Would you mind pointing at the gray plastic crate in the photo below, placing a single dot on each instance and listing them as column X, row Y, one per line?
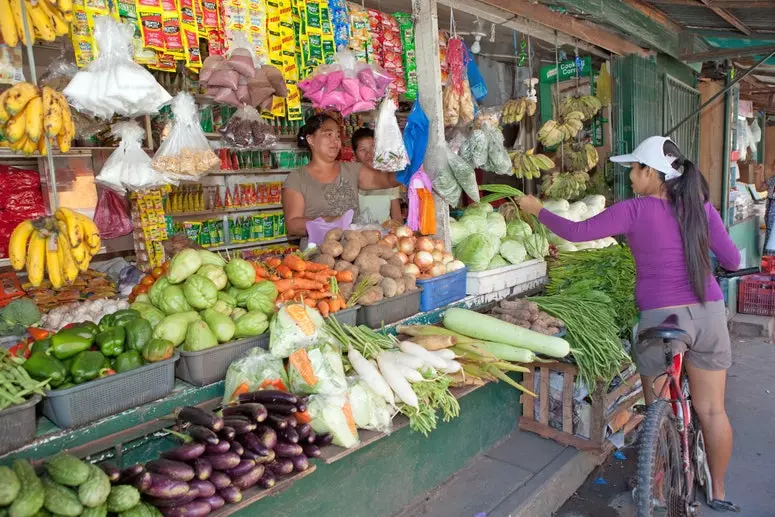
column 90, row 401
column 18, row 425
column 209, row 366
column 390, row 310
column 347, row 316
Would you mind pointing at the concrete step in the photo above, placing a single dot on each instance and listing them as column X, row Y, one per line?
column 750, row 326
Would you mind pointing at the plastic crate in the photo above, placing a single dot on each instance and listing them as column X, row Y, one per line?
column 18, row 425
column 498, row 279
column 209, row 366
column 390, row 310
column 90, row 401
column 442, row 290
column 347, row 316
column 756, row 295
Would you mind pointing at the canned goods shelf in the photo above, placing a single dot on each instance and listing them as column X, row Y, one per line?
column 226, row 211
column 256, row 244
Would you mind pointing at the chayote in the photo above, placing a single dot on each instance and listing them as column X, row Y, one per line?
column 237, row 313
column 183, row 265
column 199, row 337
column 173, row 328
column 148, row 312
column 158, row 287
column 173, row 300
column 261, row 303
column 215, row 274
column 208, row 257
column 251, row 324
column 221, row 325
column 200, row 292
column 241, row 273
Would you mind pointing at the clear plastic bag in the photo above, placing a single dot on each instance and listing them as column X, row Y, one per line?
column 756, row 132
column 258, row 370
column 370, row 411
column 111, row 215
column 185, row 154
column 445, row 183
column 129, row 167
column 474, row 149
column 389, row 150
column 113, row 84
column 333, row 414
column 498, row 159
column 464, row 174
column 246, row 128
column 317, row 369
column 295, row 326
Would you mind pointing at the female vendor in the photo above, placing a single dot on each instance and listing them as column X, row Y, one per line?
column 382, row 205
column 326, row 187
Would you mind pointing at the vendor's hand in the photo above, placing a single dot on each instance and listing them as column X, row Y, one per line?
column 529, row 204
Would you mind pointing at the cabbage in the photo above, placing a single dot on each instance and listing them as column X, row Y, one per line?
column 486, row 207
column 477, row 250
column 458, row 232
column 518, row 230
column 474, row 223
column 558, row 205
column 496, row 225
column 537, row 246
column 476, row 209
column 555, row 239
column 566, row 247
column 513, row 251
column 497, row 261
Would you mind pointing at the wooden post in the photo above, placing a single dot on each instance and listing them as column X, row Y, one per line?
column 426, row 35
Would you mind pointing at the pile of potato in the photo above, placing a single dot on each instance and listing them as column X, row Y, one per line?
column 526, row 314
column 362, row 253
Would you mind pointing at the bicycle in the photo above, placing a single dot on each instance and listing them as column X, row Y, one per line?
column 671, row 459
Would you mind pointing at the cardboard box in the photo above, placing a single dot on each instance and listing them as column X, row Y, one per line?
column 748, row 172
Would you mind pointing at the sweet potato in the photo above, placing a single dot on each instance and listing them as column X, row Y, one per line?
column 334, row 234
column 332, row 248
column 323, row 258
column 391, row 271
column 389, row 287
column 352, row 249
column 372, row 296
column 371, row 236
column 367, row 262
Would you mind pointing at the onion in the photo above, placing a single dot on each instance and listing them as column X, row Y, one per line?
column 424, row 244
column 437, row 255
column 392, row 239
column 455, row 265
column 404, row 231
column 423, row 260
column 411, row 258
column 411, row 269
column 447, row 257
column 438, row 245
column 402, row 257
column 438, row 269
column 385, row 242
column 405, row 245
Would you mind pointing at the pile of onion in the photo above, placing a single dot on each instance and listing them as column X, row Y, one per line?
column 423, row 257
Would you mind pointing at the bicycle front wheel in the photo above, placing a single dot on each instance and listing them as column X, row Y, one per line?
column 660, row 475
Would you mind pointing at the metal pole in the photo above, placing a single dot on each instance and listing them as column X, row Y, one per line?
column 725, row 157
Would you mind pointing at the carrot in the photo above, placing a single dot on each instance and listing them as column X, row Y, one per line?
column 309, row 302
column 300, row 362
column 273, row 262
column 294, row 262
column 342, row 302
column 317, row 277
column 323, row 308
column 314, row 267
column 303, row 417
column 274, row 278
column 333, row 305
column 297, row 283
column 284, row 271
column 242, row 388
column 260, row 271
column 345, row 276
column 318, row 295
column 286, row 295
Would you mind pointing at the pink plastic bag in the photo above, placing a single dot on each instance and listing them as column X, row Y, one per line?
column 111, row 215
column 318, row 228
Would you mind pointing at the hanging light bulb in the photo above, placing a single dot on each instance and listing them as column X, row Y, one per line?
column 476, row 47
column 478, row 33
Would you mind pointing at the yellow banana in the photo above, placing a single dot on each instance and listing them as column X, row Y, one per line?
column 81, row 256
column 19, row 144
column 29, row 147
column 7, row 24
column 18, row 97
column 36, row 258
column 17, row 244
column 56, row 18
column 53, row 263
column 42, row 150
column 4, row 115
column 91, row 234
column 16, row 9
column 74, row 230
column 69, row 266
column 34, row 113
column 16, row 128
column 52, row 112
column 43, row 23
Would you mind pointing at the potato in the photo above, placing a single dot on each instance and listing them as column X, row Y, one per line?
column 346, row 289
column 323, row 258
column 395, row 261
column 371, row 278
column 382, row 262
column 352, row 248
column 410, row 282
column 342, row 265
column 400, row 286
column 372, row 236
column 367, row 262
column 332, row 248
column 389, row 287
column 355, row 235
column 372, row 296
column 391, row 271
column 334, row 234
column 387, row 252
column 384, row 252
column 355, row 269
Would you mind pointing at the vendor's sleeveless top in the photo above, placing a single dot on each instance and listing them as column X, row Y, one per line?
column 327, row 199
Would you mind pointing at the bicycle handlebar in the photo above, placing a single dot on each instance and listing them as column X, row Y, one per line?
column 723, row 273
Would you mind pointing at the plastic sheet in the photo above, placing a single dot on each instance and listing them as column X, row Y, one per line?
column 111, row 216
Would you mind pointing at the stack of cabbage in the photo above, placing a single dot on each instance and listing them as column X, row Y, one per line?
column 203, row 301
column 582, row 210
column 484, row 239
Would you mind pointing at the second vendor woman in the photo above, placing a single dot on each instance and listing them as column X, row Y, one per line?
column 326, row 187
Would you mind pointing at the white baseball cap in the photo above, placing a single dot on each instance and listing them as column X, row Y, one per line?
column 651, row 152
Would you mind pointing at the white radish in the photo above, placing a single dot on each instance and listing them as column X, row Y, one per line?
column 410, row 361
column 397, row 382
column 452, row 367
column 410, row 374
column 370, row 375
column 445, row 353
column 416, row 350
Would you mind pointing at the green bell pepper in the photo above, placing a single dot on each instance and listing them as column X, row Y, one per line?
column 42, row 366
column 87, row 366
column 111, row 341
column 65, row 386
column 41, row 346
column 129, row 360
column 138, row 334
column 70, row 342
column 108, row 321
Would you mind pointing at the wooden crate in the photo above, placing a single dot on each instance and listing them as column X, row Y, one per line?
column 601, row 400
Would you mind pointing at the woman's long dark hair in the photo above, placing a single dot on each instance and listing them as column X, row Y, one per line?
column 311, row 127
column 688, row 194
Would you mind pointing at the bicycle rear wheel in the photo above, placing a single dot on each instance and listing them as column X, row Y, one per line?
column 660, row 477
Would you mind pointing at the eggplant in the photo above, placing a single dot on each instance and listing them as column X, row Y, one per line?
column 267, row 479
column 142, row 481
column 129, row 473
column 231, row 494
column 254, row 411
column 112, row 471
column 225, row 461
column 269, row 397
column 324, row 439
column 219, row 448
column 244, row 467
column 192, row 494
column 281, row 466
column 203, row 434
column 304, row 431
column 240, row 424
column 199, row 416
column 166, row 488
column 266, row 436
column 301, row 407
column 300, row 463
column 227, row 433
column 185, row 452
column 192, row 509
column 266, row 459
column 312, row 438
column 205, row 488
column 176, row 470
column 251, row 442
column 287, row 450
column 236, row 447
column 216, row 502
column 311, row 450
column 277, row 421
column 289, row 435
column 202, row 468
column 219, row 480
column 280, row 408
column 250, row 478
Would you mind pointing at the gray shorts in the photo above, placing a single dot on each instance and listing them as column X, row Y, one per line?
column 706, row 324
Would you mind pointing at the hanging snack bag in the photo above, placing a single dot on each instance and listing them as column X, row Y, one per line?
column 129, row 167
column 389, row 150
column 185, row 154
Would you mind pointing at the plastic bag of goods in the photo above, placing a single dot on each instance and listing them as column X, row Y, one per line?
column 185, row 154
column 317, row 369
column 113, row 84
column 129, row 167
column 389, row 150
column 246, row 128
column 111, row 215
column 464, row 174
column 446, row 185
column 256, row 370
column 295, row 326
column 318, row 228
column 370, row 411
column 498, row 159
column 333, row 414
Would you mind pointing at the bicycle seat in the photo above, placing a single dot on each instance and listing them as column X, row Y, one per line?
column 667, row 331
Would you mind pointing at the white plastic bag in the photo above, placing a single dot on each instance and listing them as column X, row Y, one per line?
column 317, row 369
column 185, row 154
column 129, row 167
column 295, row 326
column 246, row 128
column 756, row 132
column 370, row 411
column 258, row 369
column 389, row 150
column 113, row 84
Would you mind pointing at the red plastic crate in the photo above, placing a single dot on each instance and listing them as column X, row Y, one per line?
column 756, row 295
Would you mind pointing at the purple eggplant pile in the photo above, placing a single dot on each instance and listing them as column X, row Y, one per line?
column 253, row 442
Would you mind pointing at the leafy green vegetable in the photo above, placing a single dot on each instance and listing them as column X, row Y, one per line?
column 477, row 250
column 22, row 311
column 496, row 225
column 518, row 230
column 458, row 232
column 513, row 251
column 498, row 261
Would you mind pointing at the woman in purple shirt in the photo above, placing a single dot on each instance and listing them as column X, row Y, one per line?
column 671, row 229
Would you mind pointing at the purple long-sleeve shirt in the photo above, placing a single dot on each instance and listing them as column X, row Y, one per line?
column 653, row 234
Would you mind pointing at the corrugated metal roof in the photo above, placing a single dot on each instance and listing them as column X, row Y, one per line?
column 700, row 16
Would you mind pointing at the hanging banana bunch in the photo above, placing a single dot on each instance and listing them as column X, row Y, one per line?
column 565, row 127
column 515, row 110
column 577, row 156
column 528, row 165
column 46, row 20
column 30, row 115
column 587, row 105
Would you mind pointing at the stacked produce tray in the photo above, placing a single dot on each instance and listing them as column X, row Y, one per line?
column 18, row 424
column 503, row 278
column 390, row 310
column 208, row 366
column 442, row 290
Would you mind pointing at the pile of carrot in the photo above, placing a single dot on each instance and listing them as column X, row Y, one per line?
column 299, row 280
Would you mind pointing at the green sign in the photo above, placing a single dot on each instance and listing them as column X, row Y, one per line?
column 567, row 70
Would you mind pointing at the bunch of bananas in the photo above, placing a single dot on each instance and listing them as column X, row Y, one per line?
column 29, row 115
column 63, row 245
column 588, row 105
column 529, row 165
column 46, row 20
column 564, row 128
column 515, row 109
column 564, row 185
column 578, row 157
